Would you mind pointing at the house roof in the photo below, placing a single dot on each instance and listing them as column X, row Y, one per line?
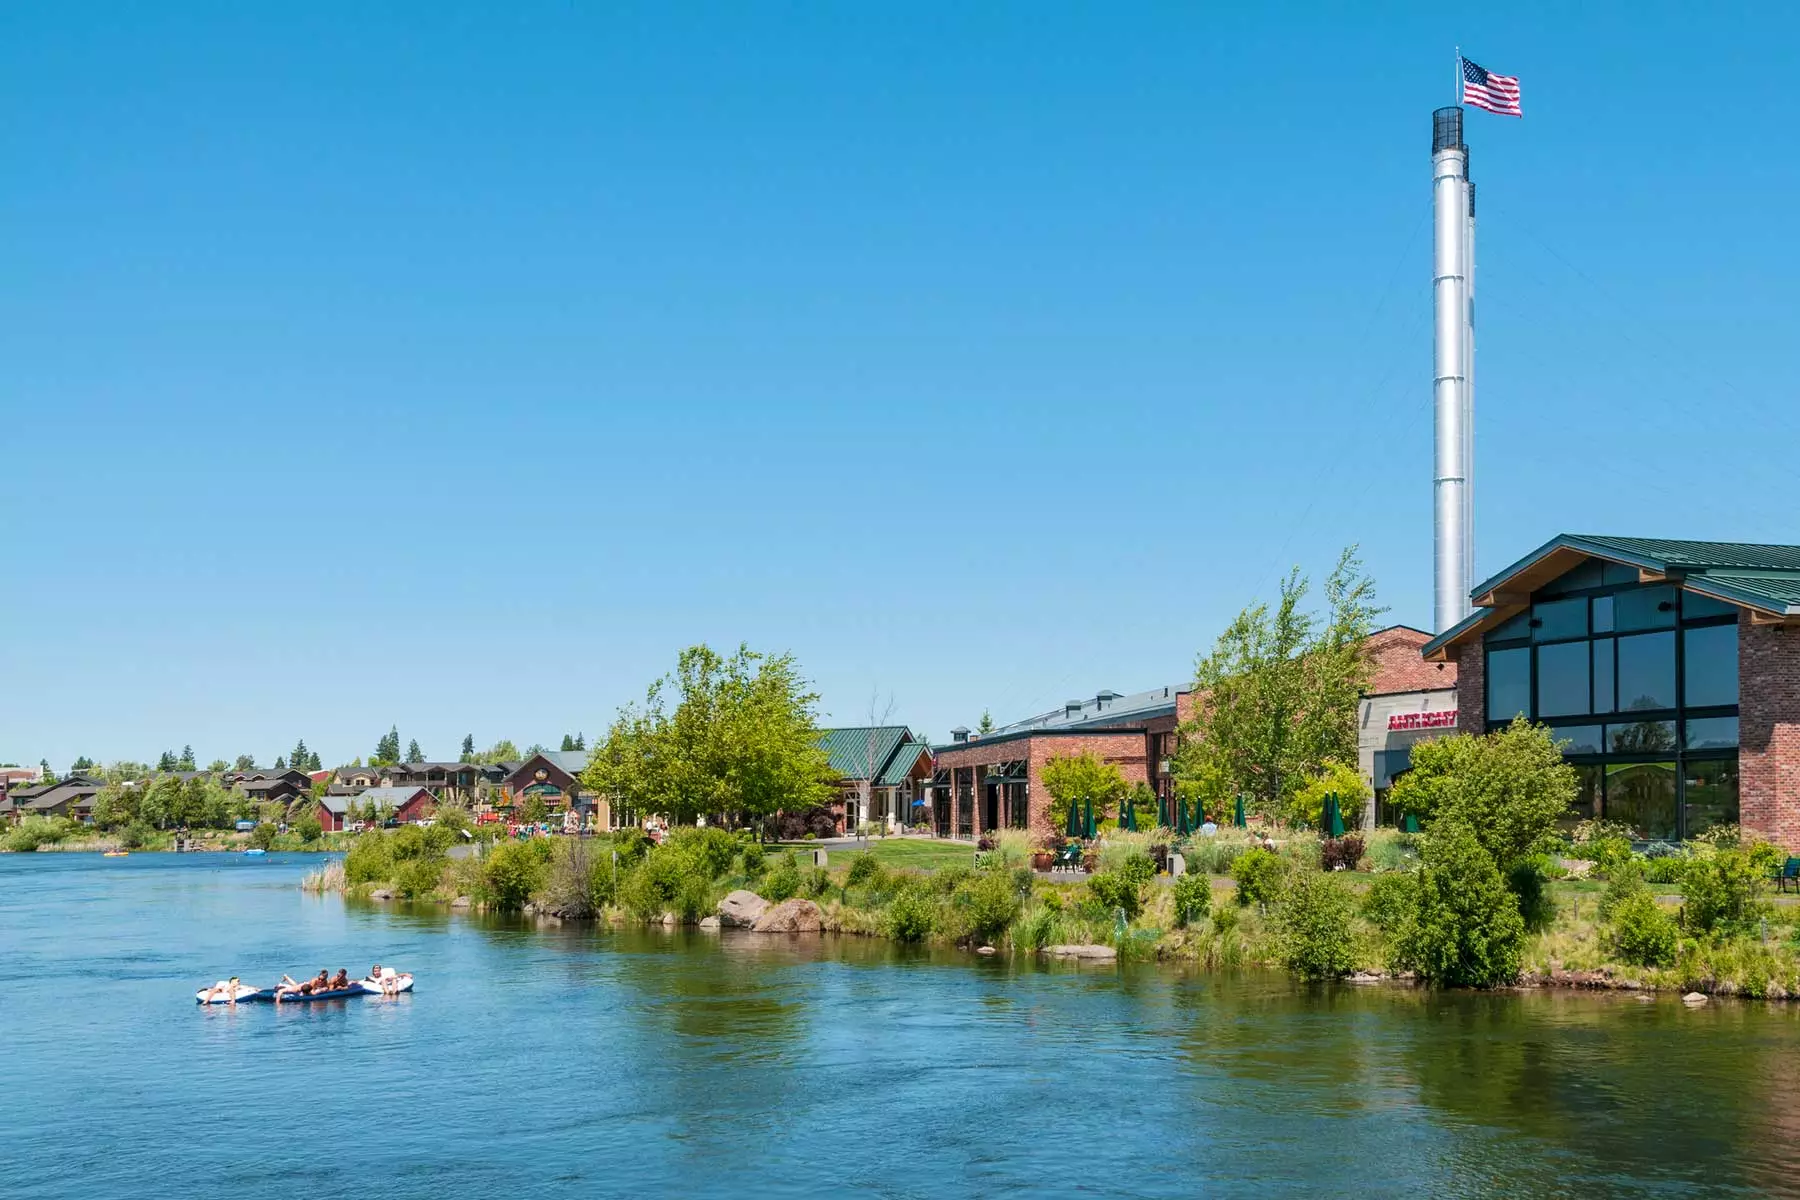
column 572, row 761
column 395, row 795
column 899, row 767
column 335, row 802
column 269, row 785
column 1762, row 579
column 862, row 751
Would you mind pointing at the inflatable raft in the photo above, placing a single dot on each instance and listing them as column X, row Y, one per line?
column 220, row 993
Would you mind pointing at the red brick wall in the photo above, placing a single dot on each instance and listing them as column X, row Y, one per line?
column 1126, row 750
column 1398, row 667
column 1471, row 692
column 1769, row 732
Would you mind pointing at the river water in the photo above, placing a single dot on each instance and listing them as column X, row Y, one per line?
column 562, row 1061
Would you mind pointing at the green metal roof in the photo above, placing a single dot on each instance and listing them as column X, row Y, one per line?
column 863, row 752
column 899, row 767
column 1748, row 574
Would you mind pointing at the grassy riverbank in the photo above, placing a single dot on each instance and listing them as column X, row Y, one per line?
column 60, row 835
column 1244, row 905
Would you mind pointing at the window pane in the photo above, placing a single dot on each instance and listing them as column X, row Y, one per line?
column 1580, row 739
column 1603, row 675
column 1559, row 619
column 1587, row 575
column 1508, row 683
column 1695, row 606
column 1603, row 614
column 1644, row 608
column 1562, row 680
column 1588, row 778
column 1647, row 671
column 1711, row 665
column 1712, row 794
column 1712, row 733
column 1641, row 737
column 1642, row 795
column 1517, row 627
column 1620, row 573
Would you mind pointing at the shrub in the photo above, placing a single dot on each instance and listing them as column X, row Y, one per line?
column 371, row 859
column 1392, row 851
column 863, row 870
column 815, row 883
column 1765, row 857
column 1307, row 807
column 33, row 832
column 1212, row 855
column 135, row 835
column 910, row 917
column 308, row 828
column 986, row 905
column 1507, row 788
column 1390, row 899
column 817, row 822
column 632, row 846
column 1193, row 899
column 1341, row 854
column 418, row 877
column 783, row 883
column 948, row 879
column 511, row 873
column 1721, row 891
column 264, row 835
column 1258, row 875
column 710, row 849
column 1526, row 881
column 751, row 862
column 1608, row 853
column 1666, row 870
column 579, row 881
column 1625, row 883
column 1312, row 922
column 1642, row 933
column 1464, row 929
column 1012, row 847
column 1117, row 890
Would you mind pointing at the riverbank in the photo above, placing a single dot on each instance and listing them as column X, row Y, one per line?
column 1211, row 920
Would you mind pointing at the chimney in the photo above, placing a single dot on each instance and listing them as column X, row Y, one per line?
column 1453, row 304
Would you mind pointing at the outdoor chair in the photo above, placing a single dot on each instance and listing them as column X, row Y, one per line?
column 1068, row 858
column 1789, row 873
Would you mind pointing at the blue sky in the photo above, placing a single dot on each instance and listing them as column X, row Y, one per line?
column 454, row 365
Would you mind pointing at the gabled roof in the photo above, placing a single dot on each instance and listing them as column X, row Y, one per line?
column 1761, row 579
column 395, row 796
column 899, row 767
column 572, row 761
column 862, row 751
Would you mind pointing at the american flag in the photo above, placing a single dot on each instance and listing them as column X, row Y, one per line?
column 1496, row 93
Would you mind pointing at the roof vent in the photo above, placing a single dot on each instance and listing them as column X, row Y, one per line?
column 960, row 734
column 1105, row 697
column 1070, row 708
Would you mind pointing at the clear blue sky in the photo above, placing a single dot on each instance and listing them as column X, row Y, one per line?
column 453, row 365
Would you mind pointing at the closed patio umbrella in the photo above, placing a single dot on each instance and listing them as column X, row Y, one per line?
column 1334, row 816
column 1238, row 817
column 1410, row 824
column 1072, row 826
column 1162, row 813
column 1128, row 819
column 1092, row 830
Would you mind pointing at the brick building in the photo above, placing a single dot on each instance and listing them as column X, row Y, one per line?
column 995, row 780
column 1408, row 700
column 1670, row 669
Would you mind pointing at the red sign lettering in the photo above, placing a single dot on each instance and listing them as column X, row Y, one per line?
column 1443, row 719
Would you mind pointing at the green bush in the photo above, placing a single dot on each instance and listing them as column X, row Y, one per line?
column 985, row 906
column 309, row 829
column 1464, row 929
column 33, row 832
column 1312, row 923
column 1765, row 857
column 1393, row 852
column 1391, row 898
column 580, row 880
column 632, row 846
column 135, row 836
column 709, row 848
column 371, row 859
column 512, row 873
column 1608, row 853
column 1117, row 890
column 264, row 835
column 863, row 871
column 1721, row 891
column 1642, row 933
column 947, row 880
column 751, row 862
column 783, row 883
column 418, row 877
column 1211, row 855
column 1530, row 888
column 1625, row 882
column 1669, row 869
column 1508, row 787
column 1258, row 875
column 1193, row 899
column 910, row 917
column 815, row 883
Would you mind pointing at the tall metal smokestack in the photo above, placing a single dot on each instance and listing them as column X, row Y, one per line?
column 1453, row 294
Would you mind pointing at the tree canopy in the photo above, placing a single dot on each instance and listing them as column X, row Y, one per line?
column 1083, row 778
column 1278, row 693
column 718, row 735
column 468, row 748
column 387, row 749
column 1508, row 787
column 413, row 753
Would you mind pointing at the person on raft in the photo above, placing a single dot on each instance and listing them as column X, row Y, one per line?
column 227, row 989
column 340, row 981
column 318, row 983
column 388, row 980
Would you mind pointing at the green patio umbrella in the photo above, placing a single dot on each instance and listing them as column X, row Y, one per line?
column 1410, row 824
column 1238, row 817
column 1128, row 818
column 1334, row 816
column 1181, row 816
column 1162, row 813
column 1092, row 830
column 1072, row 826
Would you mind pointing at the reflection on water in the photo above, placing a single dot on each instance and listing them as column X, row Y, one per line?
column 542, row 1059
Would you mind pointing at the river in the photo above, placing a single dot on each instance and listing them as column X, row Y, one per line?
column 569, row 1061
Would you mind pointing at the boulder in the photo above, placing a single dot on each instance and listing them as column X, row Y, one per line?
column 791, row 916
column 1098, row 953
column 740, row 909
column 462, row 902
column 709, row 922
column 986, row 951
column 1693, row 998
column 381, row 894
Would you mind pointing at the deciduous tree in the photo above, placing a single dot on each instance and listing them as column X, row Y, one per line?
column 1082, row 779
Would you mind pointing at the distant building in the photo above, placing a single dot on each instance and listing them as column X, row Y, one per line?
column 70, row 797
column 554, row 777
column 1408, row 701
column 881, row 770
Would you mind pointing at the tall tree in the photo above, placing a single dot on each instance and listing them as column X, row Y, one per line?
column 217, row 765
column 84, row 763
column 580, row 740
column 167, row 762
column 986, row 724
column 741, row 737
column 568, row 742
column 301, row 758
column 1085, row 779
column 49, row 776
column 468, row 748
column 413, row 753
column 187, row 758
column 245, row 762
column 387, row 750
column 1277, row 696
column 280, row 763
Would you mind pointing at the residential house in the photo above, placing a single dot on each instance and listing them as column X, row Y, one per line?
column 407, row 802
column 554, row 776
column 456, row 782
column 884, row 774
column 70, row 797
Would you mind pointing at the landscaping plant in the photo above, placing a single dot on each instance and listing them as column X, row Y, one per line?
column 1312, row 923
column 1257, row 873
column 1642, row 933
column 1464, row 927
column 1193, row 899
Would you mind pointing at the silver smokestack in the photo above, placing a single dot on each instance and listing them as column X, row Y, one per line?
column 1453, row 292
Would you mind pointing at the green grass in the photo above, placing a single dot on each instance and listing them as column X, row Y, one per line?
column 923, row 854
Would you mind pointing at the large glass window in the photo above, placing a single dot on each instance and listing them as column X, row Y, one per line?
column 1562, row 680
column 1644, row 608
column 1712, row 794
column 1695, row 607
column 1712, row 733
column 1642, row 795
column 1589, row 788
column 1646, row 672
column 1559, row 619
column 1641, row 737
column 1580, row 739
column 1508, row 684
column 1603, row 675
column 1710, row 665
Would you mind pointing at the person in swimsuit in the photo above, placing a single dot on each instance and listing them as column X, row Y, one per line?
column 340, row 981
column 228, row 989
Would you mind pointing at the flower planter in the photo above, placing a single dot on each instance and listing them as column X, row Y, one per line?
column 1042, row 861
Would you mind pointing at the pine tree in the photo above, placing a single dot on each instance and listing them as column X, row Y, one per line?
column 580, row 741
column 301, row 756
column 280, row 763
column 413, row 753
column 468, row 748
column 387, row 750
column 318, row 764
column 167, row 761
column 245, row 762
column 187, row 758
column 84, row 763
column 568, row 743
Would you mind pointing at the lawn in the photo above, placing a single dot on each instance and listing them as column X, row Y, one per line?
column 919, row 853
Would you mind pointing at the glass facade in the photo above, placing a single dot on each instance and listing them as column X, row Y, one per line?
column 1640, row 684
